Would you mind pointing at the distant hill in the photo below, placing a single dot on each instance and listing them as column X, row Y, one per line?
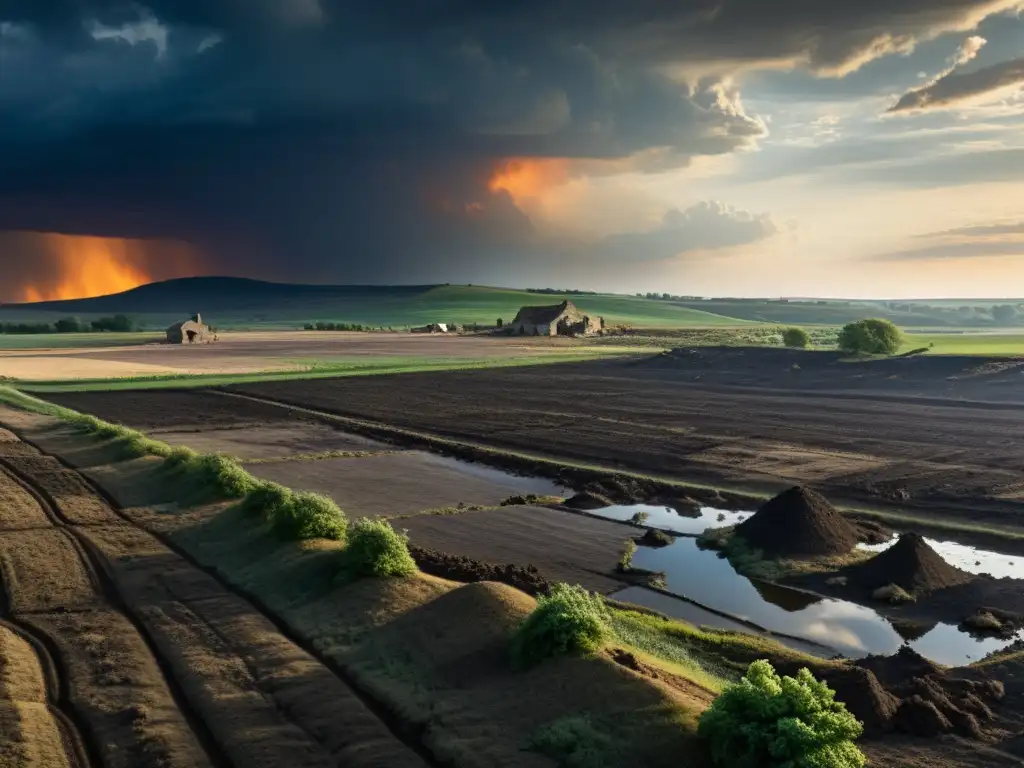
column 238, row 303
column 230, row 302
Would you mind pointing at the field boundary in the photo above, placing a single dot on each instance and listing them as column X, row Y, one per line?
column 568, row 471
column 411, row 738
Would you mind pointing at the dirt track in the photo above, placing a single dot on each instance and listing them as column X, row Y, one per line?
column 145, row 659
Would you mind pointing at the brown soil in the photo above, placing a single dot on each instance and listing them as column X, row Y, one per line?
column 395, row 484
column 524, row 578
column 64, row 489
column 216, row 667
column 563, row 546
column 798, row 522
column 43, row 570
column 18, row 508
column 911, row 564
column 32, row 734
column 267, row 702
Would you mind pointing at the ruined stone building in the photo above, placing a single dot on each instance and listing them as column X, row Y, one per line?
column 192, row 331
column 563, row 319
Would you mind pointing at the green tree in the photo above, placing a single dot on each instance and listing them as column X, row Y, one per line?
column 767, row 721
column 68, row 325
column 871, row 336
column 796, row 337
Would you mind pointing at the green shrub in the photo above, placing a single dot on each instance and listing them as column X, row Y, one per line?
column 375, row 549
column 788, row 722
column 567, row 620
column 268, row 500
column 626, row 560
column 223, row 473
column 870, row 336
column 796, row 337
column 309, row 516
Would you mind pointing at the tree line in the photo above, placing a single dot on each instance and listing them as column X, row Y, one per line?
column 115, row 323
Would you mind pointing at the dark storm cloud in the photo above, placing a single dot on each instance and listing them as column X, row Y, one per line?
column 353, row 140
column 956, row 88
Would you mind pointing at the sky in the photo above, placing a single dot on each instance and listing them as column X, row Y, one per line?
column 696, row 147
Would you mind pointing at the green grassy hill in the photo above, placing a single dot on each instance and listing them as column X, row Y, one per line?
column 238, row 304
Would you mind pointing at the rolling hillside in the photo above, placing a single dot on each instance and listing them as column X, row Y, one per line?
column 241, row 303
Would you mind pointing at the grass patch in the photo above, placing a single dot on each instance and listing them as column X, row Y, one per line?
column 376, row 550
column 318, row 456
column 709, row 657
column 967, row 343
column 531, row 499
column 76, row 340
column 573, row 741
column 569, row 620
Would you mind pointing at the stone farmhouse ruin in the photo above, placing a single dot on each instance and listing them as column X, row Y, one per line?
column 192, row 331
column 563, row 319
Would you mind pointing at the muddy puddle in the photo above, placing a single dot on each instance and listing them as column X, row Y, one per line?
column 968, row 558
column 850, row 629
column 669, row 519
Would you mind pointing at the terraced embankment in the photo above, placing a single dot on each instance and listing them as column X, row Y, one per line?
column 115, row 651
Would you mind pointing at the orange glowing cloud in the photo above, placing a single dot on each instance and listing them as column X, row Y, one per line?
column 528, row 178
column 82, row 266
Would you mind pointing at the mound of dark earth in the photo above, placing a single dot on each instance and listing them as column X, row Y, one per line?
column 909, row 563
column 907, row 693
column 798, row 522
column 525, row 578
column 589, row 500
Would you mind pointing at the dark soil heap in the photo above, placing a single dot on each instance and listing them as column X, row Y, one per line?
column 798, row 522
column 589, row 500
column 524, row 578
column 909, row 563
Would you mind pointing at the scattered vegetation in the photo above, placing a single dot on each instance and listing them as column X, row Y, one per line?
column 639, row 518
column 532, row 499
column 796, row 337
column 377, row 550
column 573, row 741
column 871, row 336
column 894, row 594
column 567, row 620
column 296, row 516
column 788, row 722
column 626, row 561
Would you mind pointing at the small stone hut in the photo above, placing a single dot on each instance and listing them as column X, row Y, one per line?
column 431, row 328
column 191, row 331
column 563, row 319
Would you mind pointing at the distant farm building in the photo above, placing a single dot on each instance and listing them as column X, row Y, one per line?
column 563, row 319
column 431, row 328
column 191, row 331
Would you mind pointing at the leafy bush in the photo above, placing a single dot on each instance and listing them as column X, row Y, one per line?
column 870, row 336
column 567, row 620
column 308, row 516
column 796, row 337
column 787, row 722
column 375, row 549
column 268, row 501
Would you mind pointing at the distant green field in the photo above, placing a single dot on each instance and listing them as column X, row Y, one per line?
column 997, row 344
column 74, row 340
column 399, row 308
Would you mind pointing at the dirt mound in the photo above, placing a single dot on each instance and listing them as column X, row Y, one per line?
column 589, row 500
column 798, row 522
column 911, row 564
column 655, row 538
column 898, row 669
column 526, row 579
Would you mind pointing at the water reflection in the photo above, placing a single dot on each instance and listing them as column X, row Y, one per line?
column 685, row 521
column 851, row 629
column 520, row 483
